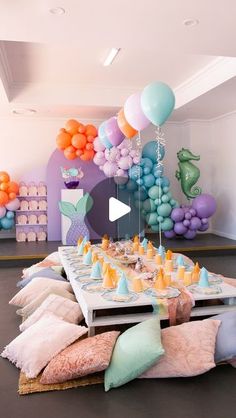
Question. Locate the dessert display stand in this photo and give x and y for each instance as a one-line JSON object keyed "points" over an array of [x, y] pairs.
{"points": [[101, 312]]}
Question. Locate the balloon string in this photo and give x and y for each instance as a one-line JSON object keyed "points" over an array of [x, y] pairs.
{"points": [[160, 141], [139, 146]]}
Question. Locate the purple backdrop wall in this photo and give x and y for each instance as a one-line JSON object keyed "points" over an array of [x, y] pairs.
{"points": [[92, 176]]}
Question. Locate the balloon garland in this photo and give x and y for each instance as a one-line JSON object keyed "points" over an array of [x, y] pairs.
{"points": [[9, 203]]}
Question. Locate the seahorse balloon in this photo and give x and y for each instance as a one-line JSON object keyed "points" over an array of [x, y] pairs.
{"points": [[188, 174]]}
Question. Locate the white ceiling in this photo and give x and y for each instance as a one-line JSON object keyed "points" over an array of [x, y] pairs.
{"points": [[54, 63]]}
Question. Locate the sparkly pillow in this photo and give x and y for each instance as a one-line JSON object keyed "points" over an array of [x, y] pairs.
{"points": [[189, 350], [84, 357]]}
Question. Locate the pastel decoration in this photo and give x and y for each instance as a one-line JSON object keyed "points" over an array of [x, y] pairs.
{"points": [[169, 266], [113, 133], [96, 272], [144, 243], [187, 278], [161, 251], [180, 260], [160, 283], [107, 280], [157, 102], [122, 288], [134, 114], [158, 260], [141, 250], [87, 260], [137, 284], [203, 281], [180, 273]]}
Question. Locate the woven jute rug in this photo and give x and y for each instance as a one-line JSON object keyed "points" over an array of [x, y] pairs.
{"points": [[27, 386]]}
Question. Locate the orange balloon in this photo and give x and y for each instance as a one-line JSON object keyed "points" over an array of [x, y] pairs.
{"points": [[124, 126], [69, 153], [72, 126], [4, 186], [90, 138], [12, 196], [91, 130], [79, 152], [87, 155], [13, 187], [89, 146], [63, 140], [62, 131], [81, 129], [4, 176], [79, 141], [4, 199]]}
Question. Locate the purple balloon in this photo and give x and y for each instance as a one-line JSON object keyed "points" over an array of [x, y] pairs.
{"points": [[134, 114], [170, 234], [204, 227], [177, 214], [110, 169], [13, 205], [113, 132], [186, 222], [190, 234], [180, 229], [125, 162], [204, 221], [195, 223], [2, 211], [205, 205], [188, 215], [192, 211]]}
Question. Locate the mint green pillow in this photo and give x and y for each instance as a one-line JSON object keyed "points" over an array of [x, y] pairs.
{"points": [[136, 350]]}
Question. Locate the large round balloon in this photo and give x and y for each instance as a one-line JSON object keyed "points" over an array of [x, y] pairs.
{"points": [[7, 223], [134, 114], [205, 205], [63, 140], [4, 176], [113, 132], [157, 102], [124, 126], [4, 199], [102, 135], [150, 151], [13, 205]]}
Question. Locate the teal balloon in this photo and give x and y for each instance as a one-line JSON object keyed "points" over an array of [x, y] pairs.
{"points": [[148, 180], [139, 182], [157, 171], [172, 202], [157, 201], [135, 172], [157, 102], [151, 218], [149, 205], [155, 228], [166, 189], [10, 214], [150, 152], [165, 198], [155, 192], [7, 223], [160, 219], [146, 162], [167, 224], [140, 194], [131, 185], [146, 170], [138, 204], [164, 209]]}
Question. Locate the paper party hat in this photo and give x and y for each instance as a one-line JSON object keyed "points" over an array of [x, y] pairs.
{"points": [[96, 272], [88, 258], [180, 260], [122, 288], [203, 281], [144, 243], [160, 283], [81, 246], [169, 255]]}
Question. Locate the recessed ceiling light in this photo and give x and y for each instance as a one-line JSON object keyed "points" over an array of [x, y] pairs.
{"points": [[190, 22], [23, 111], [111, 56], [57, 11]]}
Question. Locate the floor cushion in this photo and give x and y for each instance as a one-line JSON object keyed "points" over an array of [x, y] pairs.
{"points": [[226, 337], [32, 350], [48, 272], [81, 358], [189, 350], [135, 351]]}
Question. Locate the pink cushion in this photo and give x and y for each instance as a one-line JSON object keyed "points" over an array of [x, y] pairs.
{"points": [[189, 350], [83, 357]]}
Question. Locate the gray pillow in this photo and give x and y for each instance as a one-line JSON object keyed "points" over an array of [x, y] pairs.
{"points": [[47, 272], [226, 337]]}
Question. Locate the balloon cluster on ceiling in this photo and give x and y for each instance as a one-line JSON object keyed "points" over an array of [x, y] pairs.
{"points": [[76, 140], [9, 203]]}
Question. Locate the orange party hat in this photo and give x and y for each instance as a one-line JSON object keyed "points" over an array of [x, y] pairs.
{"points": [[85, 250], [169, 255], [107, 280], [160, 283]]}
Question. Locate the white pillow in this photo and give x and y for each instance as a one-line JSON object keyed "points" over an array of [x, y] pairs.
{"points": [[54, 257], [36, 286], [32, 306], [32, 350], [61, 307]]}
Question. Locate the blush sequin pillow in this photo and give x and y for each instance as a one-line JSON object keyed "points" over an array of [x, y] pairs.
{"points": [[84, 357], [189, 350], [32, 350], [59, 306]]}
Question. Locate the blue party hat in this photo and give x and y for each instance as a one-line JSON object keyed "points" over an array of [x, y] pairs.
{"points": [[162, 251], [88, 258], [144, 243], [122, 288], [96, 272], [203, 281], [180, 260]]}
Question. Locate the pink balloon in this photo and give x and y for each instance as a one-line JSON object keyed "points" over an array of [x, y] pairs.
{"points": [[134, 114], [113, 132], [120, 172], [136, 160], [98, 145], [99, 158], [125, 144], [125, 162], [13, 205], [110, 169], [2, 211], [124, 152]]}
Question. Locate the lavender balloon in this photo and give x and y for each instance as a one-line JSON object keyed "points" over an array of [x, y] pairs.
{"points": [[110, 169], [113, 132], [98, 145], [170, 234], [195, 223], [180, 229], [125, 162], [205, 205], [177, 214], [190, 234], [134, 114]]}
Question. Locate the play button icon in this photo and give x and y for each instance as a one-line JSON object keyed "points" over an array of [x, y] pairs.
{"points": [[117, 209]]}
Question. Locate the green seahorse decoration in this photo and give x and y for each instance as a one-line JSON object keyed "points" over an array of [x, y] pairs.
{"points": [[76, 214], [188, 173]]}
